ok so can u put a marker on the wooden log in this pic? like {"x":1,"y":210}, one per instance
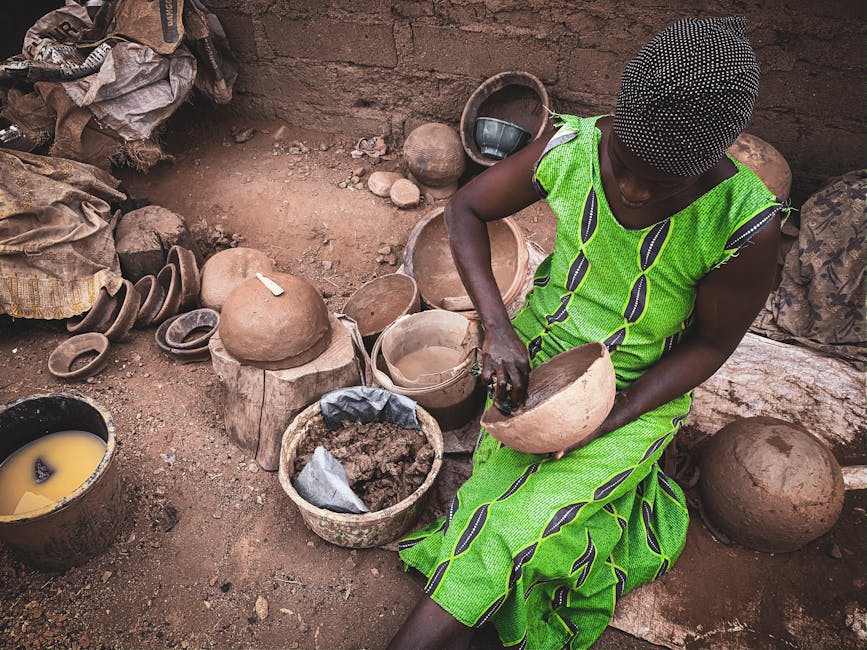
{"x":260,"y":404}
{"x":764,"y":377}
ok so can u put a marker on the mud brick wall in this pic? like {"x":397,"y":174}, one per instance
{"x":365,"y":67}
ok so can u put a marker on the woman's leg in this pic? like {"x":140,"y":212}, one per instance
{"x":430,"y":627}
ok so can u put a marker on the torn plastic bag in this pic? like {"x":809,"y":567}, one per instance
{"x":367,"y":404}
{"x":323,"y":483}
{"x":156,"y":24}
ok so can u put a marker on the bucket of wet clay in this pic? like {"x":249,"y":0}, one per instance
{"x":429,"y":357}
{"x":60,"y":495}
{"x":380,"y":302}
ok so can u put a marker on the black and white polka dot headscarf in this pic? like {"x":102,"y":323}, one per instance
{"x":688,"y":94}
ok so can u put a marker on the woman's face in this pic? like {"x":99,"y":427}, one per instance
{"x":642,"y":185}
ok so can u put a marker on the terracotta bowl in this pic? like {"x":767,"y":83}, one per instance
{"x":170,"y":279}
{"x":98,"y":319}
{"x":185,"y":260}
{"x":60,"y":361}
{"x":179,"y":330}
{"x":192,"y":354}
{"x":380,"y":302}
{"x":568,"y":397}
{"x":129,"y":300}
{"x":151,"y":297}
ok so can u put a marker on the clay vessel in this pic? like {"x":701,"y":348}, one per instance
{"x":568,"y":397}
{"x":769,"y":484}
{"x":129,"y":300}
{"x":98,"y":318}
{"x":185,"y":260}
{"x":178,"y":333}
{"x":381,"y":301}
{"x":151,"y":297}
{"x":62,"y":358}
{"x":170,"y":279}
{"x":226,"y":270}
{"x":765,"y":161}
{"x":435,"y":158}
{"x":275,"y":332}
{"x":179,"y":354}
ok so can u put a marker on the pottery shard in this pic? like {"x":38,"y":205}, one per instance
{"x":405,"y":194}
{"x":380,"y":182}
{"x":143,"y":238}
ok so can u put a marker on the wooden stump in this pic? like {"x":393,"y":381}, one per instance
{"x":260,"y":404}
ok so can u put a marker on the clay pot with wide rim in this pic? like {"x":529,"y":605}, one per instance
{"x":62,"y":358}
{"x":152,"y":294}
{"x":130,"y":301}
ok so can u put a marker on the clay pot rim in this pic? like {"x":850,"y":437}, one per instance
{"x":172,"y":301}
{"x":361,"y":293}
{"x":98,"y":317}
{"x":191,"y":354}
{"x":130,"y":301}
{"x":185,"y":260}
{"x":212,"y":323}
{"x":64,"y":355}
{"x":485,"y":90}
{"x":150,"y":302}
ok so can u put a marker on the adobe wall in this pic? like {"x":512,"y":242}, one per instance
{"x":366,"y":67}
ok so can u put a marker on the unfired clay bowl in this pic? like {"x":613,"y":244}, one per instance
{"x":129,"y":300}
{"x":60,"y":361}
{"x":98,"y":319}
{"x":179,"y":331}
{"x":185,"y":260}
{"x":192,"y":354}
{"x":169,"y":278}
{"x":226,"y":270}
{"x":568,"y":397}
{"x":151,"y":297}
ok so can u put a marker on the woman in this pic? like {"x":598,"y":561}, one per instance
{"x":665,"y":251}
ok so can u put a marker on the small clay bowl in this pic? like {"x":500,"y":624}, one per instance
{"x":151,"y":297}
{"x":129,"y":300}
{"x":193,"y":354}
{"x":170,"y":279}
{"x":60,"y":361}
{"x":199,"y":319}
{"x":185,"y":260}
{"x":98,"y":319}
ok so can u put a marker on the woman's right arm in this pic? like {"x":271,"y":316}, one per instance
{"x":499,"y":192}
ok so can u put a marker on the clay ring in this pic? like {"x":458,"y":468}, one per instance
{"x":129,"y":300}
{"x":169,"y":278}
{"x":64,"y":355}
{"x":194,"y":354}
{"x":98,"y":319}
{"x":151,"y":297}
{"x":185,"y":260}
{"x":198,"y":319}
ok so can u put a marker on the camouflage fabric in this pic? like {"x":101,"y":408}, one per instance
{"x":820,"y":300}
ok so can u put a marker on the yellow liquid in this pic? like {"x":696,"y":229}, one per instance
{"x":70,"y":458}
{"x":429,"y":360}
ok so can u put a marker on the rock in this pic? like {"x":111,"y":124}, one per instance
{"x":380,"y":182}
{"x":405,"y":194}
{"x":261,"y":608}
{"x":143,"y":238}
{"x":358,"y":171}
{"x":342,"y":185}
{"x":385,"y":249}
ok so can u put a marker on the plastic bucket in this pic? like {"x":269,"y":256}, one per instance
{"x":449,"y":394}
{"x":363,"y":530}
{"x":84,"y":523}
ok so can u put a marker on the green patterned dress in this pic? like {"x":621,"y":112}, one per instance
{"x":544,"y":548}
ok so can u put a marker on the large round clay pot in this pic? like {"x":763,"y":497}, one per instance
{"x":568,"y":397}
{"x":226,"y":270}
{"x":769,"y":484}
{"x":275,"y":332}
{"x":765,"y":161}
{"x":435,"y":158}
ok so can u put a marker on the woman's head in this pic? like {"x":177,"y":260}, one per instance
{"x":687,"y":95}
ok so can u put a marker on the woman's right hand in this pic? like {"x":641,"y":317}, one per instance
{"x":505,"y":368}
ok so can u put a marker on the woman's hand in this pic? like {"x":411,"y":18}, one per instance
{"x":506,"y":368}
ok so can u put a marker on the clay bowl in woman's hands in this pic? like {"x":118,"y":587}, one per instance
{"x":568,"y":397}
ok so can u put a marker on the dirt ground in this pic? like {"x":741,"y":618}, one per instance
{"x":208,"y":533}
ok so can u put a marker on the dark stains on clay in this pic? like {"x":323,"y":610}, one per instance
{"x":384,"y":462}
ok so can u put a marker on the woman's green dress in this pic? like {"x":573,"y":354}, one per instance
{"x":544,"y":548}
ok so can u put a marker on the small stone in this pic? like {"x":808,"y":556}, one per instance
{"x":216,"y":515}
{"x":359,"y":185}
{"x":354,"y":179}
{"x":106,"y":575}
{"x":185,"y":644}
{"x":253,"y":468}
{"x":380,"y":182}
{"x":358,"y":171}
{"x":385,"y":249}
{"x":323,"y":147}
{"x":374,"y":573}
{"x":405,"y":194}
{"x":311,"y":544}
{"x":835,"y":552}
{"x":261,"y":608}
{"x":207,"y":604}
{"x":212,"y":581}
{"x":283,"y":610}
{"x":327,"y":264}
{"x":342,"y":185}
{"x":225,"y":587}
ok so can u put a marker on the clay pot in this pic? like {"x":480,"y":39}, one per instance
{"x":380,"y":302}
{"x":179,"y":331}
{"x":226,"y":270}
{"x":568,"y":397}
{"x":184,"y":355}
{"x":170,"y":280}
{"x":515,"y":97}
{"x":428,"y":260}
{"x":98,"y":319}
{"x":130,"y":301}
{"x":62,"y":358}
{"x":765,"y":161}
{"x":275,"y":332}
{"x":185,"y":260}
{"x":435,"y":158}
{"x":769,"y":484}
{"x":151,"y":297}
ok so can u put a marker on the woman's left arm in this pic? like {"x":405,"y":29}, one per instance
{"x":727,"y":300}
